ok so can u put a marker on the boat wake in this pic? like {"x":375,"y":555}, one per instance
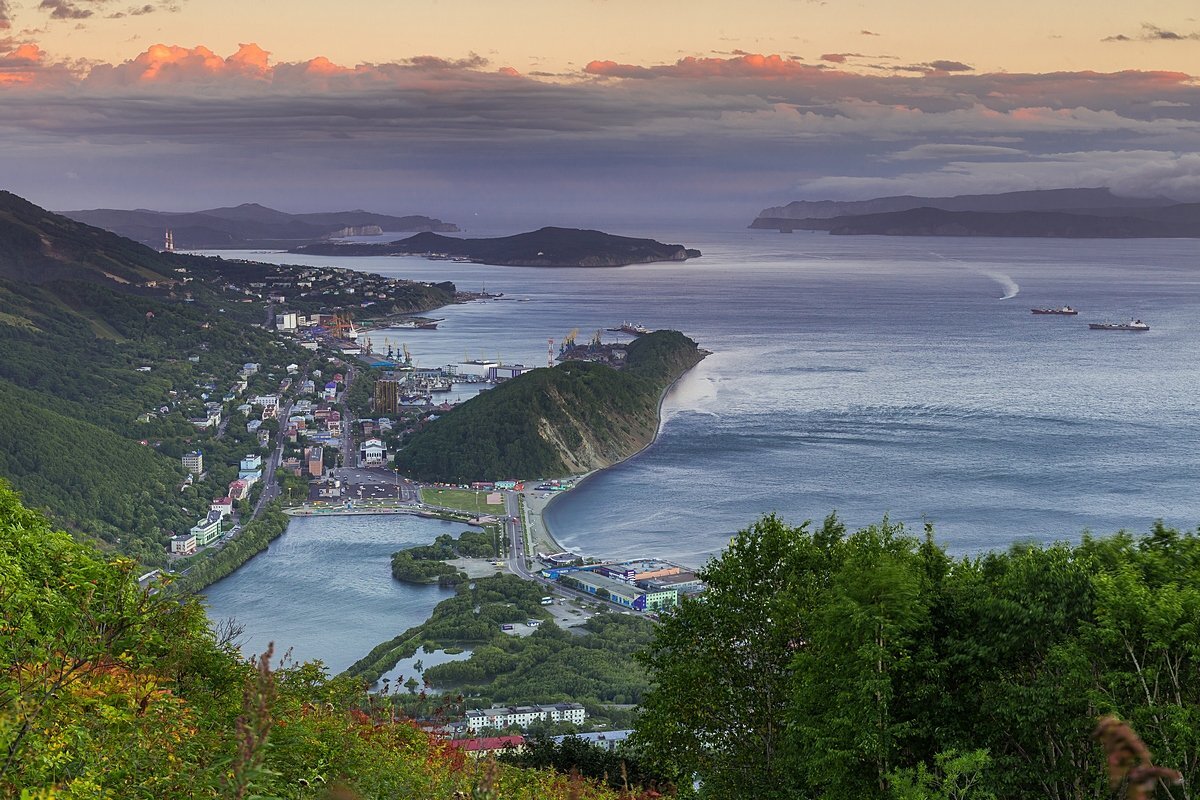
{"x":1011,"y":288}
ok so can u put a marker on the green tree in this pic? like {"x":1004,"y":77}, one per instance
{"x":723,"y":664}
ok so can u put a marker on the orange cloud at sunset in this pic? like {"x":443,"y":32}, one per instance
{"x":20,"y":67}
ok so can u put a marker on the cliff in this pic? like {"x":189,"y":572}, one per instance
{"x":545,"y":247}
{"x":576,"y":417}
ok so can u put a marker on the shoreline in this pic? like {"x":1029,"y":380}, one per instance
{"x":540,"y":511}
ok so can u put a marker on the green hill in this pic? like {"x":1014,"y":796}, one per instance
{"x":545,"y":247}
{"x":575,"y":417}
{"x":109,"y":691}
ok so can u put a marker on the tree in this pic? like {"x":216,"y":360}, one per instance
{"x":723,"y":664}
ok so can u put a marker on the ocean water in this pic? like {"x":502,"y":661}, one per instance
{"x":871,"y":376}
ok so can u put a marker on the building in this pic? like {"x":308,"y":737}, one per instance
{"x":315,"y":456}
{"x":331,"y":390}
{"x":387,"y":397}
{"x":501,"y":717}
{"x":239,"y":489}
{"x":183,"y":545}
{"x":193,"y":462}
{"x":266,"y":400}
{"x":606,"y":740}
{"x":207,"y":530}
{"x":372,"y":453}
{"x":287,"y":321}
{"x":489,"y":746}
{"x":223,"y":506}
{"x":502,"y":372}
{"x":251,"y":463}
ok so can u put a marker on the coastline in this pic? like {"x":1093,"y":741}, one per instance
{"x":536,"y":508}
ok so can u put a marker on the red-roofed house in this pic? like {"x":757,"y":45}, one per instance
{"x":489,"y":746}
{"x":224,"y":505}
{"x":239,"y":489}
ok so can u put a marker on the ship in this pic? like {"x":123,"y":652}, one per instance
{"x":428,"y":325}
{"x":1134,"y":325}
{"x":1065,"y":311}
{"x":631,"y":329}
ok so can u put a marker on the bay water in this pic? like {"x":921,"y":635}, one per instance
{"x":862,"y":375}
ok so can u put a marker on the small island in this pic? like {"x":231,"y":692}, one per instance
{"x":577,"y":417}
{"x":545,"y":247}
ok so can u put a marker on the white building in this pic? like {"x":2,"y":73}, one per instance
{"x":266,"y":400}
{"x":502,"y":717}
{"x":184,"y":544}
{"x":372,"y":453}
{"x":193,"y":462}
{"x":223,"y":506}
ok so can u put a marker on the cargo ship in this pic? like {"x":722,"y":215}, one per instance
{"x":1065,"y":311}
{"x":1135,"y":325}
{"x":631,"y":329}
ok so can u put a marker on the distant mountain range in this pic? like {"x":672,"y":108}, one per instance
{"x":248,"y":226}
{"x":1062,"y":213}
{"x":545,"y":247}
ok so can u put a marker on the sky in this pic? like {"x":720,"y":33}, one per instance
{"x":584,"y":112}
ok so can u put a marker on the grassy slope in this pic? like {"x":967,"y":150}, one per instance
{"x":572,"y":418}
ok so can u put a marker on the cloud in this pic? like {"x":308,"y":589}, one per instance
{"x":954,"y":152}
{"x":866,"y":32}
{"x":1153,"y":33}
{"x":940,"y":65}
{"x":5,"y":15}
{"x":738,"y":132}
{"x":64,"y":9}
{"x":745,"y":66}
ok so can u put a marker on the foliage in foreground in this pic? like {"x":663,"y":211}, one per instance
{"x":109,"y":691}
{"x":874,"y":665}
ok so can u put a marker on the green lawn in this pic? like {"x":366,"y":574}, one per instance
{"x":465,"y":499}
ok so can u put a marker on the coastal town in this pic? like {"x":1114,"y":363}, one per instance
{"x":320,"y":432}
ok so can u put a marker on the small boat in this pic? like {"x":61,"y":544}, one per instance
{"x":1065,"y":311}
{"x":1134,"y":325}
{"x":631,"y":329}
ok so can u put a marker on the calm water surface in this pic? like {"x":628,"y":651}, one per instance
{"x":866,"y":375}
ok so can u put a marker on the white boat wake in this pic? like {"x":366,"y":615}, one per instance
{"x":1011,"y":288}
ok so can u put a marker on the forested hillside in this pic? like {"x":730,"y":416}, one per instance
{"x":576,"y":417}
{"x":109,"y":691}
{"x":821,"y":663}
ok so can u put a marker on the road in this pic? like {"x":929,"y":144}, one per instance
{"x":349,"y":454}
{"x":515,"y":531}
{"x":270,"y":488}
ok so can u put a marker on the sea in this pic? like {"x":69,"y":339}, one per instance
{"x":873,"y":377}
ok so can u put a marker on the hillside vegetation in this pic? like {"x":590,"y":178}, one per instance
{"x":823,"y":663}
{"x":109,"y":691}
{"x":575,"y":417}
{"x":98,"y":335}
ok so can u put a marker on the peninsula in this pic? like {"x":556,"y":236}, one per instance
{"x":1053,"y":213}
{"x":249,"y":225}
{"x":576,"y":417}
{"x":545,"y":247}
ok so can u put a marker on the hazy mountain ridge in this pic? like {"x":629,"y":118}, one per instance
{"x":1064,"y":213}
{"x":247,"y":225}
{"x":545,"y":247}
